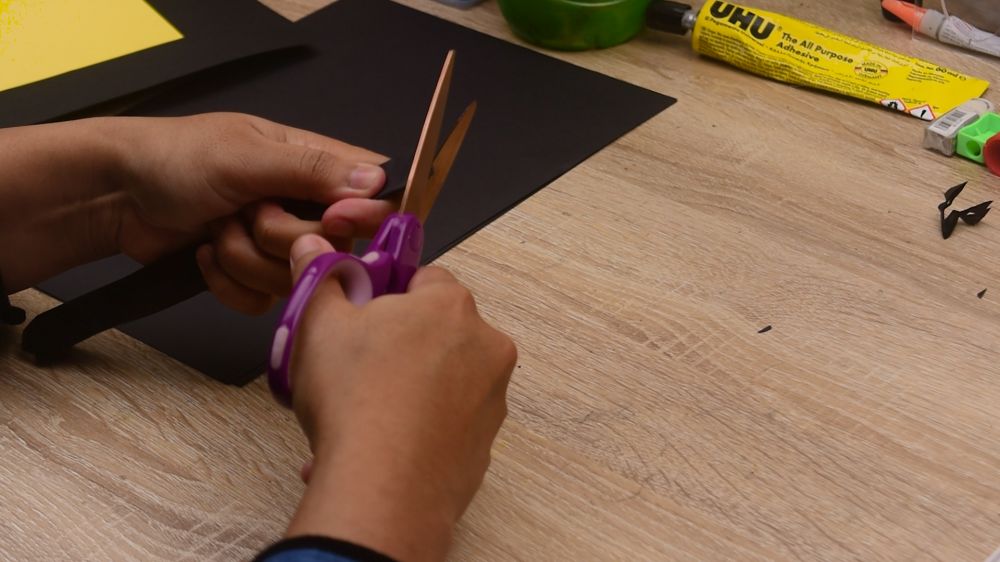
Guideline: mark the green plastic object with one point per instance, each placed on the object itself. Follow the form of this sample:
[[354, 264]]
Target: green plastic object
[[973, 136], [575, 25]]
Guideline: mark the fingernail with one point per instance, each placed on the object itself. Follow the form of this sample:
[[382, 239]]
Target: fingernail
[[305, 245], [366, 178]]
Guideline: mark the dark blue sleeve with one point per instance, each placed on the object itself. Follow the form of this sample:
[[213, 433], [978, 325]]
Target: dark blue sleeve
[[319, 549], [307, 555]]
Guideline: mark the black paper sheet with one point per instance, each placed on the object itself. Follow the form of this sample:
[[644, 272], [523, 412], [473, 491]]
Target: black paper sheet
[[370, 84], [215, 32]]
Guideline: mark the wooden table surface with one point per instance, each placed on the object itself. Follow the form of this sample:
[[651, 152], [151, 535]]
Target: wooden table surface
[[649, 419]]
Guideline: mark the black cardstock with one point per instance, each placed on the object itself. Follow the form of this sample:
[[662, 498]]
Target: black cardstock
[[369, 83], [215, 32], [971, 216]]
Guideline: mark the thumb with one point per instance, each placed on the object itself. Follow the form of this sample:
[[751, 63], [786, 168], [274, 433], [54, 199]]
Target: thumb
[[330, 294], [312, 174], [304, 250]]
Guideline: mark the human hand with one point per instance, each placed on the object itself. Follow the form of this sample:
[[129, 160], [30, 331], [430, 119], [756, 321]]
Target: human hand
[[401, 400], [216, 173], [76, 191]]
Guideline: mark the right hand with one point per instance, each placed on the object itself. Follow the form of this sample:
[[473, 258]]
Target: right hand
[[401, 400]]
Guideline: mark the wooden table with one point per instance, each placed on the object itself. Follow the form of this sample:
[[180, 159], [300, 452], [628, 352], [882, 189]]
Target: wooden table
[[649, 418]]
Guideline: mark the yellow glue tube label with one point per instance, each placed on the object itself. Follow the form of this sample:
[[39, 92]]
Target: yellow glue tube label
[[801, 53]]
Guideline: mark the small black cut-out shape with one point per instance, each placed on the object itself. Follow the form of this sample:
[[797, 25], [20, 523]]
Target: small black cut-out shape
[[765, 329], [970, 216]]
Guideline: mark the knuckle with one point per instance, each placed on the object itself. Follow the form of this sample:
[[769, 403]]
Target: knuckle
[[225, 123], [231, 118], [502, 350], [441, 273], [508, 353], [455, 301], [510, 350], [433, 274], [229, 251], [465, 298], [263, 230], [317, 164], [461, 299]]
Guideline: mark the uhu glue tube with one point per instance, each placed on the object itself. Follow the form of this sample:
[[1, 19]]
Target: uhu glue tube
[[797, 52]]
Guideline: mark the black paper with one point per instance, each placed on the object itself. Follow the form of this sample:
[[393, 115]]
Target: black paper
[[215, 32], [370, 84], [971, 216]]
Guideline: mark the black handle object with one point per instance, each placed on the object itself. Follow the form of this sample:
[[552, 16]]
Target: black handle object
[[158, 286], [669, 16], [9, 314]]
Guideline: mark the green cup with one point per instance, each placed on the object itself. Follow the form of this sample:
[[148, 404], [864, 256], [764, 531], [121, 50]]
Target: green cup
[[575, 25]]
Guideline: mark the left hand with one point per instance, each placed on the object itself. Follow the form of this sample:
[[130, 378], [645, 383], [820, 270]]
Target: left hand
[[78, 191], [217, 172]]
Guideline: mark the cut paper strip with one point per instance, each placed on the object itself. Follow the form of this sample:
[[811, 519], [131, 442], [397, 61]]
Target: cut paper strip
[[40, 39]]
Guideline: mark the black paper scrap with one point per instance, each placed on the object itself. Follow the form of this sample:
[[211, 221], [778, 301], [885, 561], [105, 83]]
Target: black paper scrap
[[981, 294], [976, 213], [971, 216], [369, 84], [951, 194], [765, 329], [215, 32]]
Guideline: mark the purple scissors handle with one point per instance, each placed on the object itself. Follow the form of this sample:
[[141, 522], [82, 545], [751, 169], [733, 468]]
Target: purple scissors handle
[[393, 256], [386, 267]]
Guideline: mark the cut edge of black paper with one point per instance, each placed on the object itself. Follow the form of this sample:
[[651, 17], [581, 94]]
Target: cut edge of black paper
[[970, 216]]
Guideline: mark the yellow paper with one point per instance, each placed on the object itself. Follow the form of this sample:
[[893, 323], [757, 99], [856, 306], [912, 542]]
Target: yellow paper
[[44, 38]]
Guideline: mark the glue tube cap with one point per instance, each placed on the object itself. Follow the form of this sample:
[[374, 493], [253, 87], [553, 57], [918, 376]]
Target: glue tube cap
[[991, 154], [891, 16], [672, 17]]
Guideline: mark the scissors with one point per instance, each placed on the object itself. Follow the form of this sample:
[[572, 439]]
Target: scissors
[[393, 256]]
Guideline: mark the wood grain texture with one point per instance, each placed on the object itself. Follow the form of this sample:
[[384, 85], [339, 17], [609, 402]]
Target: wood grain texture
[[649, 419]]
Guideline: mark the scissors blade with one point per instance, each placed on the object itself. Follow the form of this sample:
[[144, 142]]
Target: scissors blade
[[423, 160], [443, 162]]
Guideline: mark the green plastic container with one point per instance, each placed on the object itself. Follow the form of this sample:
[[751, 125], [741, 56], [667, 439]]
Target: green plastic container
[[575, 25], [973, 136]]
